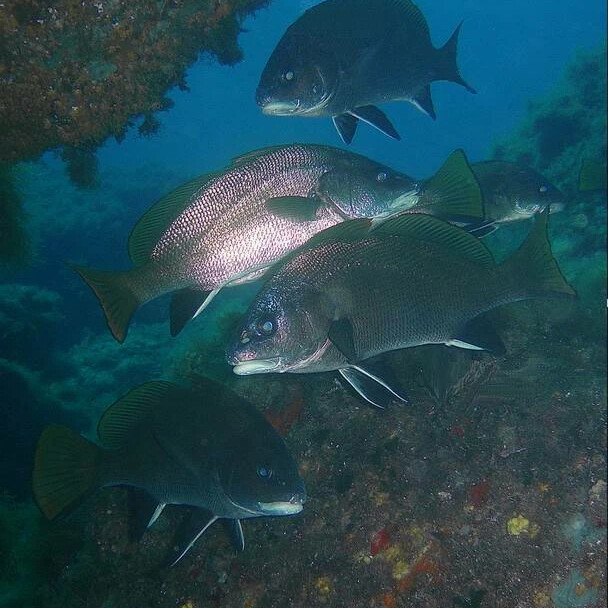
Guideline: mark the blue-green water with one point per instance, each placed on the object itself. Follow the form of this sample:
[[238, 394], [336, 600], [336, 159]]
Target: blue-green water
[[409, 506]]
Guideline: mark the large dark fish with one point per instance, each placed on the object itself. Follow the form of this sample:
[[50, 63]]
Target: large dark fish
[[358, 290], [341, 57], [513, 192], [206, 448], [228, 227]]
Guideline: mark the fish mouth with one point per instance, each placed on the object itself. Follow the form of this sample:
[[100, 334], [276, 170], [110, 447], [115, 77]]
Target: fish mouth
[[281, 108], [281, 507], [255, 366]]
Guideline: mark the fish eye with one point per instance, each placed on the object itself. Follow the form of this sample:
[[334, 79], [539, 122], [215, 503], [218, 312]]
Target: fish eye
[[382, 176], [288, 75], [543, 189], [266, 327], [264, 472]]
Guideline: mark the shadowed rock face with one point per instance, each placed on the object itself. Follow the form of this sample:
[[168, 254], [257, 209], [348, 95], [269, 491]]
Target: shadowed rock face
[[74, 73]]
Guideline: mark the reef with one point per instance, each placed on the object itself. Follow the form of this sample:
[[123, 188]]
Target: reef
[[565, 127], [73, 74]]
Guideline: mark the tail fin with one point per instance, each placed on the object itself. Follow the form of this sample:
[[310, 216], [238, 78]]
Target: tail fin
[[115, 295], [65, 469], [533, 266], [447, 68], [453, 193]]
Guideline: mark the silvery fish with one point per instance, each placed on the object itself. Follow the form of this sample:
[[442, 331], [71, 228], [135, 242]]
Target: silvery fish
[[342, 57], [205, 447], [513, 192], [357, 290], [229, 227]]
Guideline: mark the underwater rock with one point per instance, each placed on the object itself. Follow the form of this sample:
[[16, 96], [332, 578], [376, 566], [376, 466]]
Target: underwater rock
[[75, 73], [566, 126]]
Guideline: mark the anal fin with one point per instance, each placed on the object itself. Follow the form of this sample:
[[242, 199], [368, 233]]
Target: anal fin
[[186, 304], [143, 510], [478, 334]]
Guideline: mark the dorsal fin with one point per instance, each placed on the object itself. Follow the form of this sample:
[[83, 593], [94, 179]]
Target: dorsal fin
[[430, 229], [252, 155], [129, 411], [153, 223]]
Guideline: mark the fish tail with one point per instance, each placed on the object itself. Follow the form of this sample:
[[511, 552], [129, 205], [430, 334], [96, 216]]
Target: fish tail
[[116, 295], [447, 68], [453, 193], [65, 469], [533, 268]]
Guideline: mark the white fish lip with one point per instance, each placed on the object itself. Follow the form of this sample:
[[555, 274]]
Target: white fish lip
[[280, 107], [255, 366], [280, 508]]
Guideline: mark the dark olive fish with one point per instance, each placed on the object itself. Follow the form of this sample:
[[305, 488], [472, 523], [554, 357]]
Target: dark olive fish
[[205, 447], [513, 192], [357, 290], [228, 227], [342, 57]]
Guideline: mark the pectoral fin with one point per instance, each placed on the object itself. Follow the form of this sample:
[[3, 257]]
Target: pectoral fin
[[186, 304], [346, 125], [371, 387], [234, 529], [376, 118], [341, 334], [191, 528], [296, 208]]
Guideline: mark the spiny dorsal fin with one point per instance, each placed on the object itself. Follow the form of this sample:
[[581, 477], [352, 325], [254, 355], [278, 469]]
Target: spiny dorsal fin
[[252, 155], [153, 223], [430, 229], [129, 411]]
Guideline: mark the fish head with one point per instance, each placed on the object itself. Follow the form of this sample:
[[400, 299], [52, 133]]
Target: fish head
[[367, 189], [537, 195], [258, 474], [528, 191], [297, 80], [284, 328]]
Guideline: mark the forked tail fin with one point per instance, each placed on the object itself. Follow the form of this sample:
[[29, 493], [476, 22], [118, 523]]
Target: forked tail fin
[[116, 296], [65, 469], [447, 68], [533, 267]]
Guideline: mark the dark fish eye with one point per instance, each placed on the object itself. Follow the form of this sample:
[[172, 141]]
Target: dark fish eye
[[266, 327], [543, 189], [264, 472], [382, 176]]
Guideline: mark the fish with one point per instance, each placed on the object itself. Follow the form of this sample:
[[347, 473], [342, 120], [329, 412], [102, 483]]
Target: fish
[[343, 57], [204, 447], [513, 192], [228, 227], [358, 290]]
